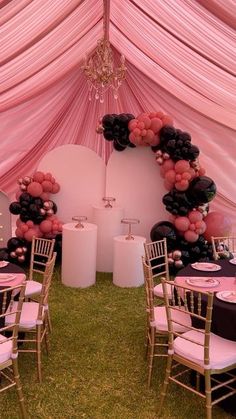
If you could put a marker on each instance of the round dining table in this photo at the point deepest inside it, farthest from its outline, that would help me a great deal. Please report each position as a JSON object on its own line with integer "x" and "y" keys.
{"x": 11, "y": 275}
{"x": 224, "y": 312}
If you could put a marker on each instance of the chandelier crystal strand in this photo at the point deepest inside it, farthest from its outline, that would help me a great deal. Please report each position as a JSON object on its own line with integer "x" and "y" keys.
{"x": 100, "y": 69}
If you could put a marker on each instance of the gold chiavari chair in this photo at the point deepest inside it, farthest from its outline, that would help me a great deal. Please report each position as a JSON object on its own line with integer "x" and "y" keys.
{"x": 157, "y": 328}
{"x": 222, "y": 247}
{"x": 9, "y": 374}
{"x": 197, "y": 349}
{"x": 34, "y": 318}
{"x": 156, "y": 257}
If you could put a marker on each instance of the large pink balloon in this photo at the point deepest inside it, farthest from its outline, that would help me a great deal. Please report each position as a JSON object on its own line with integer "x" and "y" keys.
{"x": 217, "y": 225}
{"x": 30, "y": 234}
{"x": 34, "y": 189}
{"x": 46, "y": 226}
{"x": 38, "y": 177}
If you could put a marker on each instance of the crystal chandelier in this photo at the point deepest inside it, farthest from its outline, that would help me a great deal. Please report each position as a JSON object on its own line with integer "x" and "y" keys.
{"x": 100, "y": 69}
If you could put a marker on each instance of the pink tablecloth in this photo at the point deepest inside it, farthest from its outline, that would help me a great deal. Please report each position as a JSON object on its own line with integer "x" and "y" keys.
{"x": 17, "y": 280}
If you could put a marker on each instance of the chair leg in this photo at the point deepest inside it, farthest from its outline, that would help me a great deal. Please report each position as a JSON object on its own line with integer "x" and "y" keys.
{"x": 166, "y": 382}
{"x": 151, "y": 354}
{"x": 24, "y": 414}
{"x": 46, "y": 338}
{"x": 208, "y": 394}
{"x": 38, "y": 352}
{"x": 49, "y": 321}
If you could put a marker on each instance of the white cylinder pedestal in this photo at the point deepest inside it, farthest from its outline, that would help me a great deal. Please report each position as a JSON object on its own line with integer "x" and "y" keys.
{"x": 108, "y": 221}
{"x": 79, "y": 249}
{"x": 127, "y": 266}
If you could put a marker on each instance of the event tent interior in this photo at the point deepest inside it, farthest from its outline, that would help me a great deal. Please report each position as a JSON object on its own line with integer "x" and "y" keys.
{"x": 180, "y": 61}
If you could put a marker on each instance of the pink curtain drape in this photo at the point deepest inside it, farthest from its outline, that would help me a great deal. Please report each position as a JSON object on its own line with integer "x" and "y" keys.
{"x": 180, "y": 57}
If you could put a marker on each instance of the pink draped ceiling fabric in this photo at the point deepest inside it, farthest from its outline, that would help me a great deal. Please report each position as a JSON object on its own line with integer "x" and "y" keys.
{"x": 180, "y": 57}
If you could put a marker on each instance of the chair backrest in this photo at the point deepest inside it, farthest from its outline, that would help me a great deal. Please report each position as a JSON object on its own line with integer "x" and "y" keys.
{"x": 47, "y": 279}
{"x": 198, "y": 305}
{"x": 41, "y": 253}
{"x": 6, "y": 299}
{"x": 148, "y": 282}
{"x": 156, "y": 257}
{"x": 222, "y": 246}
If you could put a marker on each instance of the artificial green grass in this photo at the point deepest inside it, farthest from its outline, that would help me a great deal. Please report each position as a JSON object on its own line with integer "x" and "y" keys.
{"x": 96, "y": 368}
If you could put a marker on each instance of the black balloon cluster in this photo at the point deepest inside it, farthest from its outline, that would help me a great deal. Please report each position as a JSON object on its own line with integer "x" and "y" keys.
{"x": 30, "y": 208}
{"x": 201, "y": 190}
{"x": 115, "y": 128}
{"x": 17, "y": 250}
{"x": 177, "y": 144}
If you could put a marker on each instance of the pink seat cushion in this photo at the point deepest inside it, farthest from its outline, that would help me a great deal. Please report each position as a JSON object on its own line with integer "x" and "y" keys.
{"x": 32, "y": 288}
{"x": 160, "y": 321}
{"x": 29, "y": 315}
{"x": 5, "y": 349}
{"x": 222, "y": 351}
{"x": 158, "y": 291}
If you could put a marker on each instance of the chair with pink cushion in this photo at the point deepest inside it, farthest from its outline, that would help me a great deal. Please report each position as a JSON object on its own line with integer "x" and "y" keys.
{"x": 197, "y": 349}
{"x": 8, "y": 342}
{"x": 34, "y": 318}
{"x": 156, "y": 257}
{"x": 157, "y": 328}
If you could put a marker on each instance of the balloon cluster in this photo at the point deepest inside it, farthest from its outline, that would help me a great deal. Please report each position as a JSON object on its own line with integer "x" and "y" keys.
{"x": 190, "y": 228}
{"x": 36, "y": 213}
{"x": 144, "y": 130}
{"x": 17, "y": 249}
{"x": 115, "y": 128}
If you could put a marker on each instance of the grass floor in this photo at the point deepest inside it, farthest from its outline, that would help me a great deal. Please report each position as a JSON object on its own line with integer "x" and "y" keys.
{"x": 97, "y": 367}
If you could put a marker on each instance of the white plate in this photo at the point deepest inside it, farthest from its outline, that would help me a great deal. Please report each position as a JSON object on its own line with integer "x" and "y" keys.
{"x": 6, "y": 277}
{"x": 3, "y": 263}
{"x": 228, "y": 296}
{"x": 198, "y": 281}
{"x": 206, "y": 267}
{"x": 233, "y": 261}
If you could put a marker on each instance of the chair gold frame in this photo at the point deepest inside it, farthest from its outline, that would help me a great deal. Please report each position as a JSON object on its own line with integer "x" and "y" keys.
{"x": 39, "y": 329}
{"x": 9, "y": 367}
{"x": 192, "y": 303}
{"x": 229, "y": 241}
{"x": 156, "y": 257}
{"x": 41, "y": 253}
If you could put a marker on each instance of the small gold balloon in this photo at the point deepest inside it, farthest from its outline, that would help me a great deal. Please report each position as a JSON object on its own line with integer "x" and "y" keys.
{"x": 13, "y": 255}
{"x": 99, "y": 129}
{"x": 19, "y": 251}
{"x": 21, "y": 258}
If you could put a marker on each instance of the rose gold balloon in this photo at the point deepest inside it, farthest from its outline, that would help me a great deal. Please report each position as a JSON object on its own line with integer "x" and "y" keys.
{"x": 50, "y": 203}
{"x": 27, "y": 180}
{"x": 170, "y": 261}
{"x": 99, "y": 129}
{"x": 166, "y": 156}
{"x": 46, "y": 205}
{"x": 159, "y": 160}
{"x": 179, "y": 264}
{"x": 177, "y": 254}
{"x": 23, "y": 187}
{"x": 158, "y": 153}
{"x": 21, "y": 258}
{"x": 13, "y": 254}
{"x": 20, "y": 181}
{"x": 50, "y": 212}
{"x": 19, "y": 251}
{"x": 24, "y": 249}
{"x": 42, "y": 211}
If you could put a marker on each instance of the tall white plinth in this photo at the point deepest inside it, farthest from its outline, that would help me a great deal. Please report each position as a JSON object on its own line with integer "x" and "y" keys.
{"x": 127, "y": 266}
{"x": 108, "y": 221}
{"x": 79, "y": 249}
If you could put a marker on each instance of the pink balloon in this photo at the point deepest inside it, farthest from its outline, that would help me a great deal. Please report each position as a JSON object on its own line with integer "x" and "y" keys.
{"x": 149, "y": 136}
{"x": 182, "y": 185}
{"x": 45, "y": 196}
{"x": 170, "y": 176}
{"x": 190, "y": 236}
{"x": 30, "y": 224}
{"x": 142, "y": 116}
{"x": 38, "y": 177}
{"x": 19, "y": 233}
{"x": 34, "y": 189}
{"x": 195, "y": 216}
{"x": 182, "y": 166}
{"x": 167, "y": 120}
{"x": 132, "y": 124}
{"x": 46, "y": 226}
{"x": 147, "y": 122}
{"x": 18, "y": 222}
{"x": 24, "y": 228}
{"x": 48, "y": 176}
{"x": 136, "y": 132}
{"x": 160, "y": 114}
{"x": 217, "y": 225}
{"x": 200, "y": 227}
{"x": 192, "y": 227}
{"x": 47, "y": 186}
{"x": 167, "y": 165}
{"x": 156, "y": 125}
{"x": 30, "y": 234}
{"x": 178, "y": 177}
{"x": 182, "y": 223}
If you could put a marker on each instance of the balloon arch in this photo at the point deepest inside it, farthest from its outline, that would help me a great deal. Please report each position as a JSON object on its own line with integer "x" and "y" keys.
{"x": 190, "y": 226}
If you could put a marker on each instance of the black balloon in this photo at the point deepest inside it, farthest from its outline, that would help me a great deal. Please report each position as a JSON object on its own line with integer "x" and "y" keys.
{"x": 26, "y": 198}
{"x": 202, "y": 189}
{"x": 177, "y": 203}
{"x": 115, "y": 127}
{"x": 164, "y": 229}
{"x": 4, "y": 255}
{"x": 15, "y": 242}
{"x": 15, "y": 208}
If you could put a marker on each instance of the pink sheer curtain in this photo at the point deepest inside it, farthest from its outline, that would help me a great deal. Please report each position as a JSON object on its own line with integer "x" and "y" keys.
{"x": 180, "y": 58}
